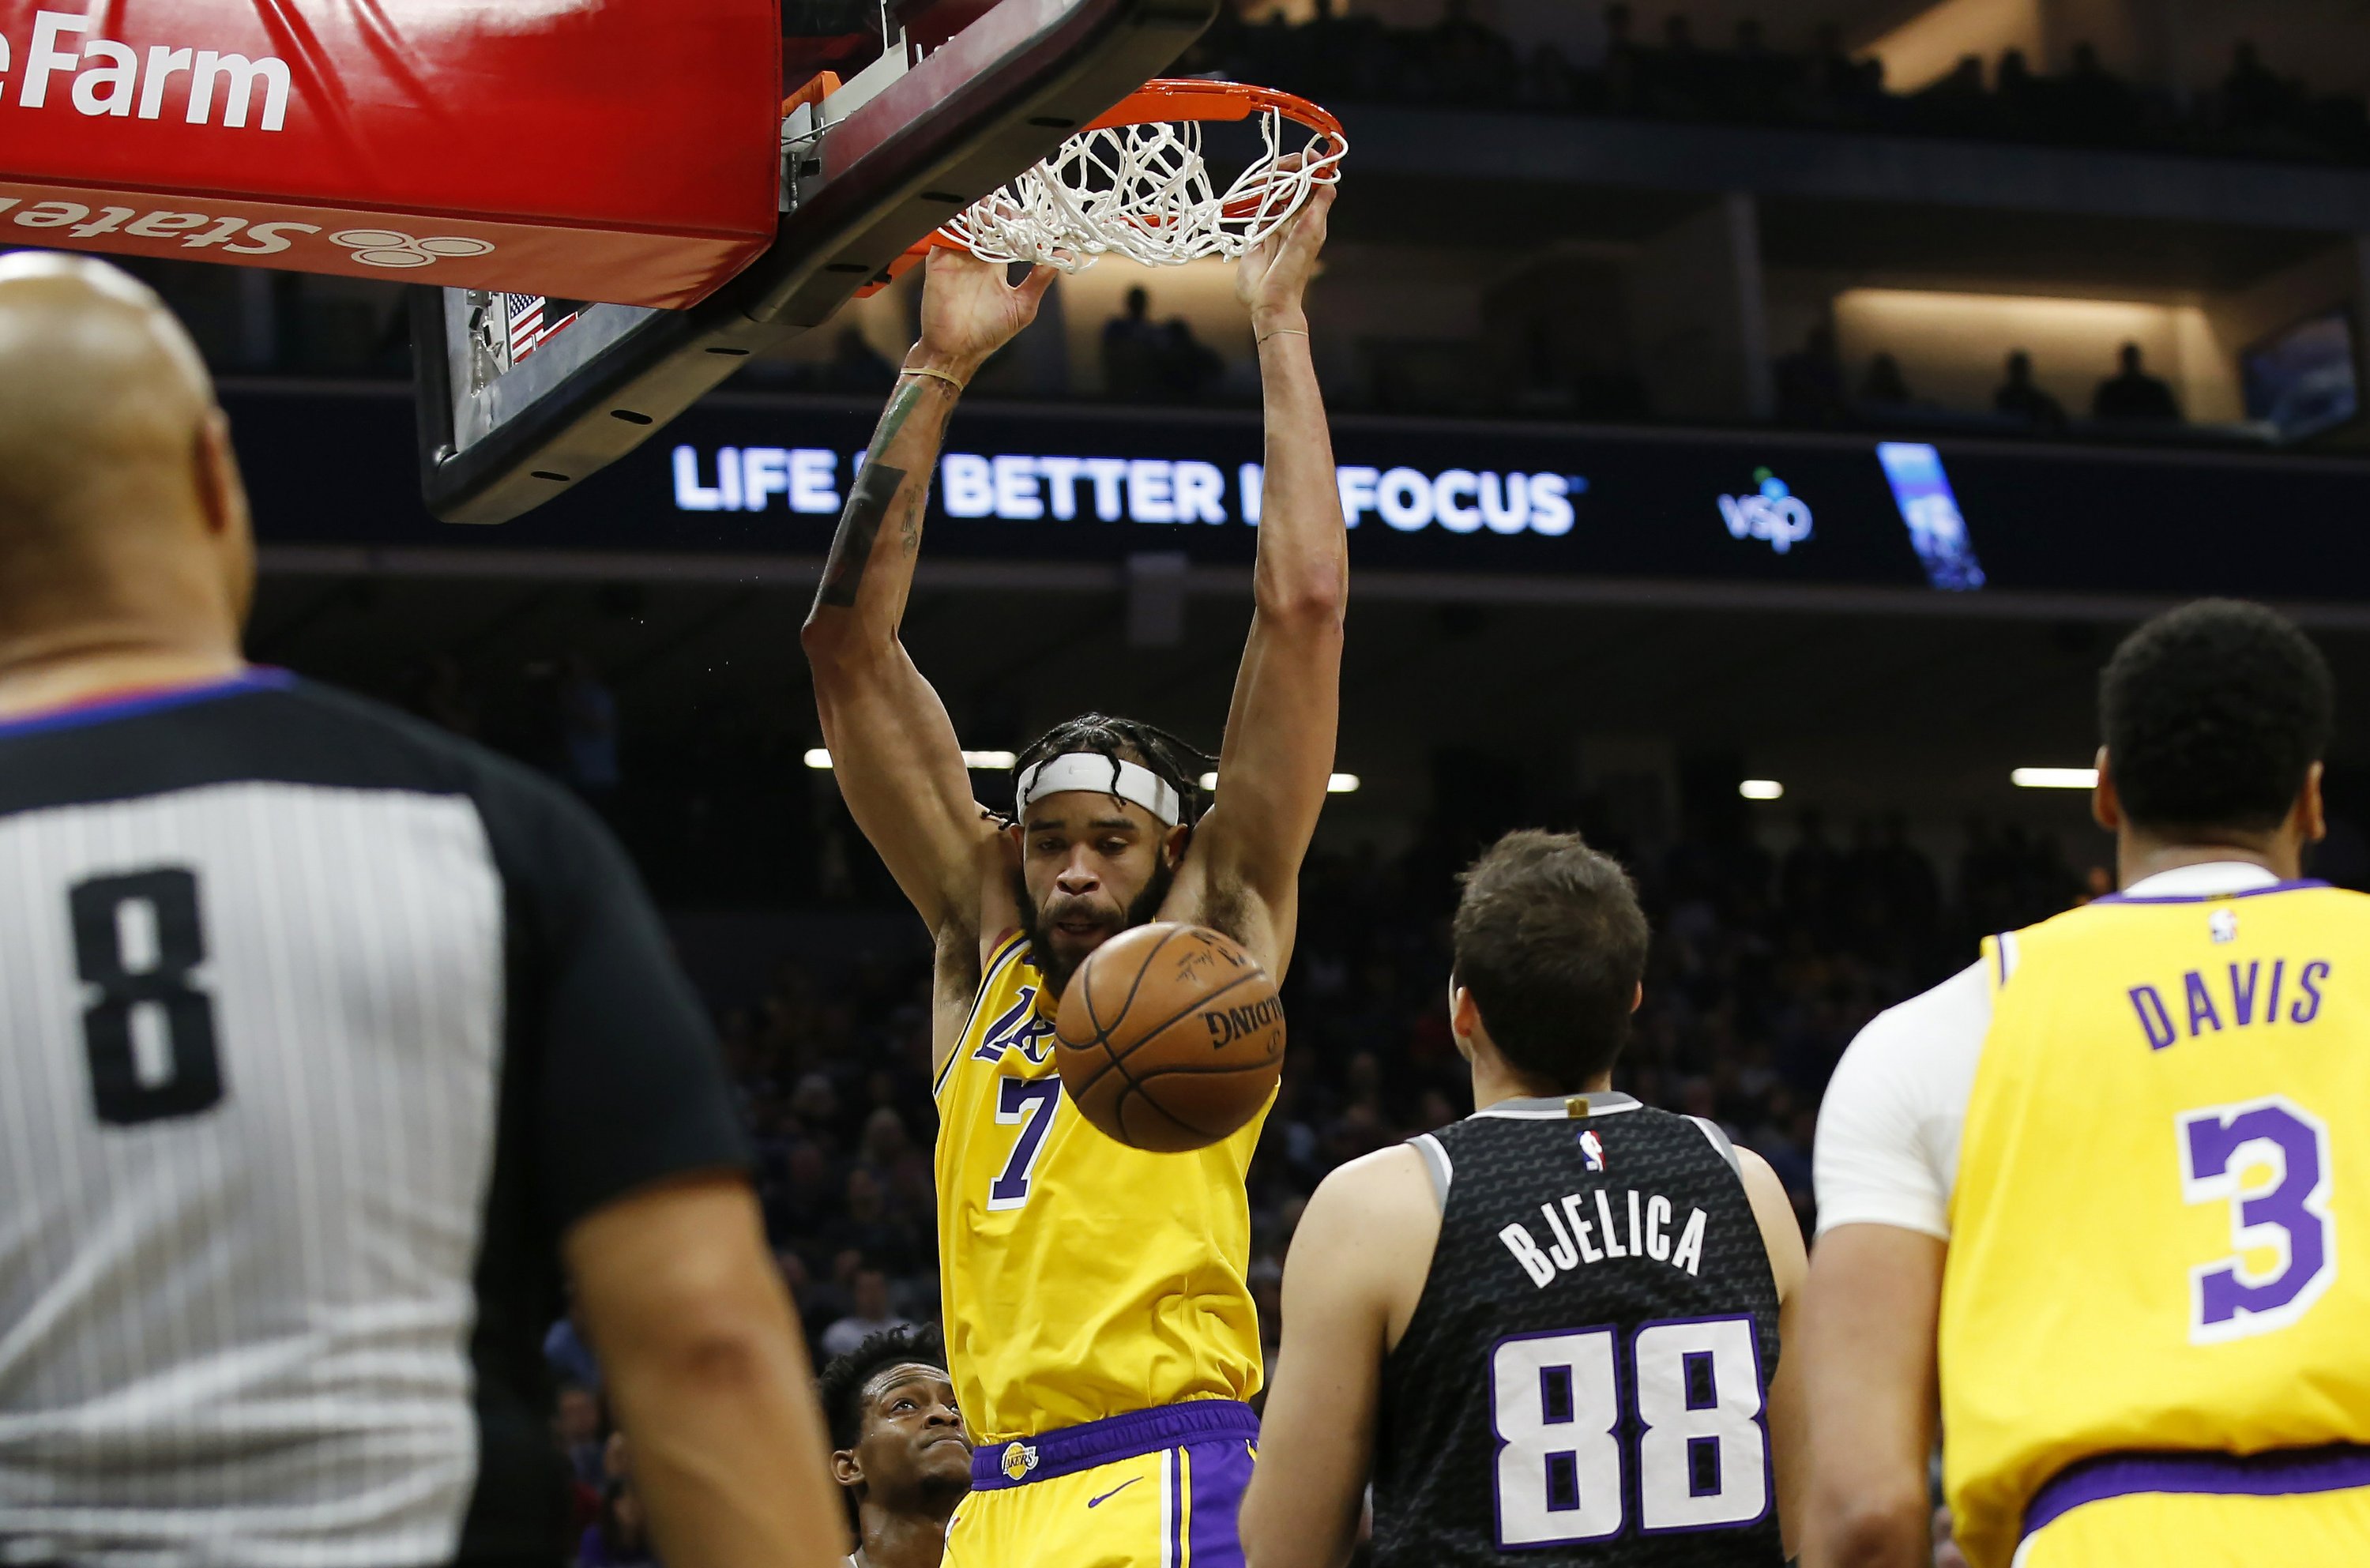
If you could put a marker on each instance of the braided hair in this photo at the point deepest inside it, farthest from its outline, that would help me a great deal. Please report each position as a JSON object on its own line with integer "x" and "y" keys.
{"x": 1176, "y": 763}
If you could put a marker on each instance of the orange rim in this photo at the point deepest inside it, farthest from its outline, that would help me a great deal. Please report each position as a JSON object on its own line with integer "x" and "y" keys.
{"x": 1190, "y": 99}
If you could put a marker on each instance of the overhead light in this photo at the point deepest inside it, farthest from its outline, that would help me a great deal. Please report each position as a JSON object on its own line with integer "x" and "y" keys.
{"x": 2054, "y": 777}
{"x": 990, "y": 761}
{"x": 1334, "y": 783}
{"x": 1761, "y": 789}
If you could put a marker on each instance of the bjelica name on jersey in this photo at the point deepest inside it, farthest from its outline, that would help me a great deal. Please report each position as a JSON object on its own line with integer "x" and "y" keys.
{"x": 1580, "y": 1239}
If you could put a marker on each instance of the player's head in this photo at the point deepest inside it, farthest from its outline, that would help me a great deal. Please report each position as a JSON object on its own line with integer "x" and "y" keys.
{"x": 897, "y": 1438}
{"x": 2214, "y": 717}
{"x": 1550, "y": 958}
{"x": 121, "y": 504}
{"x": 1102, "y": 811}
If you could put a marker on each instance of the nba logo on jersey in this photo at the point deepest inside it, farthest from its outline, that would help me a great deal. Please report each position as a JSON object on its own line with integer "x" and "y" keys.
{"x": 2223, "y": 925}
{"x": 1591, "y": 1149}
{"x": 1019, "y": 1458}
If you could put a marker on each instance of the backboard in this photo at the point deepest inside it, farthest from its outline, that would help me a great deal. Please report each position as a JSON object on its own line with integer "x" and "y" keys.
{"x": 522, "y": 395}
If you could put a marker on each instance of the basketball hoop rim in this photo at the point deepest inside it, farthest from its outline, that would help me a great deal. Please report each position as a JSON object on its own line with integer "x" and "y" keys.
{"x": 1191, "y": 98}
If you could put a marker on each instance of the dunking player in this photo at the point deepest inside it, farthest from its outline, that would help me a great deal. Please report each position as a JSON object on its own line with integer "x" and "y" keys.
{"x": 1101, "y": 1333}
{"x": 1552, "y": 1327}
{"x": 324, "y": 1038}
{"x": 2116, "y": 1168}
{"x": 898, "y": 1450}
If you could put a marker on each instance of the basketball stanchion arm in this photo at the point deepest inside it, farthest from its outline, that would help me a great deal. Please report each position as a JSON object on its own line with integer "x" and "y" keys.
{"x": 993, "y": 100}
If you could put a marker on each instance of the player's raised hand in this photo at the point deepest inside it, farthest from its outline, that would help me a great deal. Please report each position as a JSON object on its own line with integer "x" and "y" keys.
{"x": 969, "y": 311}
{"x": 1274, "y": 274}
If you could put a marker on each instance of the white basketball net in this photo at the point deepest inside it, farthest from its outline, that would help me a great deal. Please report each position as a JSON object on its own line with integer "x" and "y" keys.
{"x": 1143, "y": 191}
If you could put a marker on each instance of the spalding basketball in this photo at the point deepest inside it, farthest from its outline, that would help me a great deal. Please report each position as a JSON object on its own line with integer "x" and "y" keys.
{"x": 1169, "y": 1037}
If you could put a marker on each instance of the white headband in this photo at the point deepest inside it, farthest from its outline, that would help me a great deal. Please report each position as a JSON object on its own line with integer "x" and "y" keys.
{"x": 1092, "y": 770}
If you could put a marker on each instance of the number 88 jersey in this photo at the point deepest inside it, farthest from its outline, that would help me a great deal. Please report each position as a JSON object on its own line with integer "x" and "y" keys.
{"x": 1584, "y": 1376}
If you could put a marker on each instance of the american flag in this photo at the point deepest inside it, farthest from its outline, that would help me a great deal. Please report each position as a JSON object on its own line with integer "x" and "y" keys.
{"x": 535, "y": 320}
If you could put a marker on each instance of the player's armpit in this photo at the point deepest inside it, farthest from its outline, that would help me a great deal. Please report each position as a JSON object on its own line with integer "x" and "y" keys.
{"x": 1357, "y": 1265}
{"x": 1869, "y": 1315}
{"x": 709, "y": 1376}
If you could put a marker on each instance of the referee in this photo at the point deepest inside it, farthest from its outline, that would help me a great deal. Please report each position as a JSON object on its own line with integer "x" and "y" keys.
{"x": 327, "y": 1042}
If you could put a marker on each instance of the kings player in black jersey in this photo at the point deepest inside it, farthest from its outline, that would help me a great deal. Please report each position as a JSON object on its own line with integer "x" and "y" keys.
{"x": 1551, "y": 1329}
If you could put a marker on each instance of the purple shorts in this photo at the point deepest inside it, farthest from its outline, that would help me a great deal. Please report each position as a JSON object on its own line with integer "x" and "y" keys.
{"x": 1150, "y": 1489}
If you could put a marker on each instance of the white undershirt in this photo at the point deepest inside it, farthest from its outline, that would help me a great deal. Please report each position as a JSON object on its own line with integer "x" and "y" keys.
{"x": 1888, "y": 1145}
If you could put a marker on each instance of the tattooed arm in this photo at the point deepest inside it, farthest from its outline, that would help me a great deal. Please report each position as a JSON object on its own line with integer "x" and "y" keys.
{"x": 892, "y": 748}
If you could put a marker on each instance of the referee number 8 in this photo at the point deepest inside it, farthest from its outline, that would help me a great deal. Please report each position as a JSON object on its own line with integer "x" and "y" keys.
{"x": 149, "y": 1031}
{"x": 1701, "y": 1456}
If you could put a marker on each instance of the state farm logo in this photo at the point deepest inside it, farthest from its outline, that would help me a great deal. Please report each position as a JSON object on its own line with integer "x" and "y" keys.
{"x": 386, "y": 247}
{"x": 108, "y": 78}
{"x": 233, "y": 237}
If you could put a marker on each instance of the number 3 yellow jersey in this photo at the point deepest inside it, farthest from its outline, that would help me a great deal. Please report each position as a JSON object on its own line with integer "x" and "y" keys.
{"x": 1082, "y": 1278}
{"x": 2161, "y": 1229}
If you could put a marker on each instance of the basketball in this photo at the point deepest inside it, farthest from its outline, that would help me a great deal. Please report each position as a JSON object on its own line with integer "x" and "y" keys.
{"x": 1170, "y": 1037}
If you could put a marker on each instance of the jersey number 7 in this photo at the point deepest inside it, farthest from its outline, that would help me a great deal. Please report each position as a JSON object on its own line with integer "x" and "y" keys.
{"x": 1030, "y": 1104}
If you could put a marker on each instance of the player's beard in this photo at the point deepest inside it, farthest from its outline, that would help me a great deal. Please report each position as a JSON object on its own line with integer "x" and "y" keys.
{"x": 1054, "y": 966}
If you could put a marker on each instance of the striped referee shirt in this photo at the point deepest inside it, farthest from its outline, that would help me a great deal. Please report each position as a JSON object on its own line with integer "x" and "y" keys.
{"x": 317, "y": 1028}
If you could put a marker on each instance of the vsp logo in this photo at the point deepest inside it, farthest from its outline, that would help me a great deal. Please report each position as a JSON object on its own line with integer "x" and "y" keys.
{"x": 1773, "y": 512}
{"x": 391, "y": 248}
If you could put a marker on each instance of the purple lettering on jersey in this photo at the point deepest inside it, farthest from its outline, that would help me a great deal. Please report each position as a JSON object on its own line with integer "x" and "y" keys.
{"x": 2154, "y": 1023}
{"x": 2308, "y": 1007}
{"x": 2242, "y": 992}
{"x": 2201, "y": 1003}
{"x": 2217, "y": 1141}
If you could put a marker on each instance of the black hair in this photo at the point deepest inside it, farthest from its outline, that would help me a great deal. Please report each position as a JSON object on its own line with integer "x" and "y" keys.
{"x": 843, "y": 1381}
{"x": 2212, "y": 714}
{"x": 1551, "y": 942}
{"x": 1176, "y": 763}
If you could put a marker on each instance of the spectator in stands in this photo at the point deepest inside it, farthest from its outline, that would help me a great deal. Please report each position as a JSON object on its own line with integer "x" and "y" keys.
{"x": 899, "y": 1451}
{"x": 587, "y": 730}
{"x": 2253, "y": 97}
{"x": 569, "y": 1356}
{"x": 1131, "y": 353}
{"x": 1884, "y": 386}
{"x": 872, "y": 1315}
{"x": 620, "y": 1538}
{"x": 577, "y": 1426}
{"x": 1190, "y": 369}
{"x": 1811, "y": 382}
{"x": 2021, "y": 397}
{"x": 2135, "y": 395}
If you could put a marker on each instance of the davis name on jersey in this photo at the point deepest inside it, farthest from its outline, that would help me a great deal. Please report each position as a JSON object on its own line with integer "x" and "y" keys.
{"x": 2250, "y": 995}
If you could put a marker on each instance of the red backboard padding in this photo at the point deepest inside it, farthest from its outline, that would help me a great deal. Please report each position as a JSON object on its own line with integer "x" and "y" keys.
{"x": 617, "y": 150}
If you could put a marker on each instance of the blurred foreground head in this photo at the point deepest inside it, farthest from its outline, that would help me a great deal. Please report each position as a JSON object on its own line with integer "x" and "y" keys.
{"x": 123, "y": 525}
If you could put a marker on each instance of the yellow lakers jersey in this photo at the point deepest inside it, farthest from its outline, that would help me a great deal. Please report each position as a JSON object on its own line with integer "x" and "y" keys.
{"x": 1081, "y": 1278}
{"x": 2161, "y": 1229}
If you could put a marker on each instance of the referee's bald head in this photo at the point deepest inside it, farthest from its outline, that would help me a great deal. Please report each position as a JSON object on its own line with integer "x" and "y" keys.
{"x": 121, "y": 506}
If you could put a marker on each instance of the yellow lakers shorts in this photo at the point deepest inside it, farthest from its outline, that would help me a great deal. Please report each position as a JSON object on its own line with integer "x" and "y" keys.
{"x": 2299, "y": 1508}
{"x": 1150, "y": 1489}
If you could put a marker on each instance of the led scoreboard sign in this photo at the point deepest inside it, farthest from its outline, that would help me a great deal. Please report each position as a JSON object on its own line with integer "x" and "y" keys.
{"x": 753, "y": 475}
